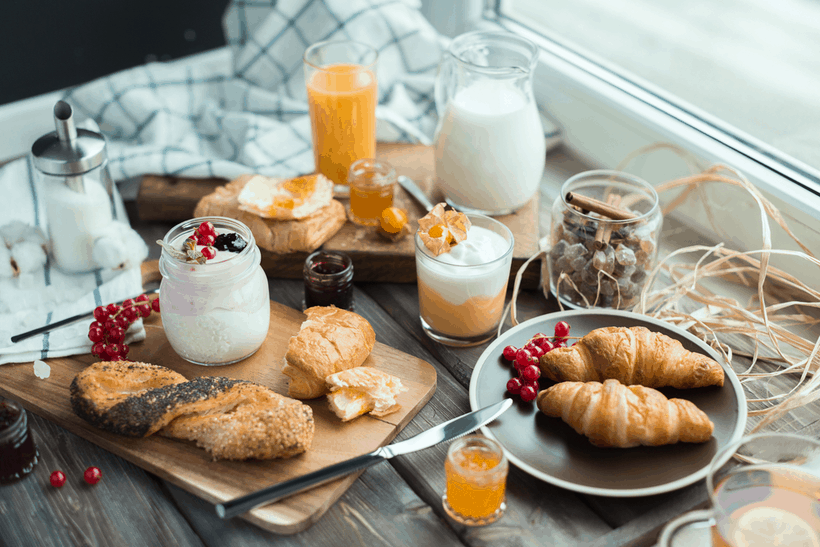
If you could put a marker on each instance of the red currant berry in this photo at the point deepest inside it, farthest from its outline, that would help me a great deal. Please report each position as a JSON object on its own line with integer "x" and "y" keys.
{"x": 112, "y": 351}
{"x": 514, "y": 386}
{"x": 100, "y": 314}
{"x": 95, "y": 325}
{"x": 95, "y": 334}
{"x": 208, "y": 240}
{"x": 109, "y": 325}
{"x": 208, "y": 252}
{"x": 546, "y": 345}
{"x": 155, "y": 305}
{"x": 528, "y": 393}
{"x": 57, "y": 479}
{"x": 537, "y": 351}
{"x": 522, "y": 357}
{"x": 531, "y": 373}
{"x": 509, "y": 353}
{"x": 123, "y": 322}
{"x": 127, "y": 303}
{"x": 206, "y": 228}
{"x": 124, "y": 349}
{"x": 561, "y": 329}
{"x": 539, "y": 335}
{"x": 142, "y": 298}
{"x": 116, "y": 335}
{"x": 92, "y": 475}
{"x": 112, "y": 309}
{"x": 98, "y": 350}
{"x": 131, "y": 314}
{"x": 573, "y": 344}
{"x": 144, "y": 309}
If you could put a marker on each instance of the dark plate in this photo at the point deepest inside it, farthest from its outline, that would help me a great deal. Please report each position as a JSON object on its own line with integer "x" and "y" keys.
{"x": 551, "y": 450}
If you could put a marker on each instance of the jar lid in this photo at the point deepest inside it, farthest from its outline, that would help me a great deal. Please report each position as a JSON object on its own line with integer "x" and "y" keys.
{"x": 68, "y": 150}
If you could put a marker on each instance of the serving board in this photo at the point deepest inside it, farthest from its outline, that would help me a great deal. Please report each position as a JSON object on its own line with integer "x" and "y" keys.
{"x": 374, "y": 259}
{"x": 189, "y": 467}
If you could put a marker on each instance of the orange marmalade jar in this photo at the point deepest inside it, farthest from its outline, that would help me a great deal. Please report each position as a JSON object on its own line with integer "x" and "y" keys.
{"x": 476, "y": 472}
{"x": 372, "y": 184}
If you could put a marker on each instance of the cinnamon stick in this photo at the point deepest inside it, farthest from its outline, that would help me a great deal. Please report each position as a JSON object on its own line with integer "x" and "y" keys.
{"x": 604, "y": 232}
{"x": 597, "y": 206}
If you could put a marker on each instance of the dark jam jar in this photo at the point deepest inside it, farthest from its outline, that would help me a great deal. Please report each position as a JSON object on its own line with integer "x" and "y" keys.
{"x": 18, "y": 455}
{"x": 328, "y": 280}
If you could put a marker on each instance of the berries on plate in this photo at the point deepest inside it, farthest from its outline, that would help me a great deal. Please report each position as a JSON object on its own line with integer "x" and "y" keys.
{"x": 92, "y": 475}
{"x": 57, "y": 479}
{"x": 509, "y": 353}
{"x": 526, "y": 360}
{"x": 528, "y": 393}
{"x": 514, "y": 386}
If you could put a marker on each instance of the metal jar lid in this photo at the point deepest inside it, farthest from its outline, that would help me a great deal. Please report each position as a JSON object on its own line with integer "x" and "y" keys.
{"x": 68, "y": 151}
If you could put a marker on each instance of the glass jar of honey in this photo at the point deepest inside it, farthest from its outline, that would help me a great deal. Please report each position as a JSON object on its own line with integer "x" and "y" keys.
{"x": 18, "y": 453}
{"x": 372, "y": 183}
{"x": 476, "y": 471}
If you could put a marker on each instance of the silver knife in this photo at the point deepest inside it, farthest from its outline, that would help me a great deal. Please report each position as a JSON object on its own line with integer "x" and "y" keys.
{"x": 63, "y": 322}
{"x": 447, "y": 431}
{"x": 413, "y": 189}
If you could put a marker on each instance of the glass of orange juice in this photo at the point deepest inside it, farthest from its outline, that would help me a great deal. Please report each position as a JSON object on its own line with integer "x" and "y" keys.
{"x": 772, "y": 497}
{"x": 476, "y": 471}
{"x": 342, "y": 97}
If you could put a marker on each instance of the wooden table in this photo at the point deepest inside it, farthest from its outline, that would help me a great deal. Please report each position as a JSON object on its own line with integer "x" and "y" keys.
{"x": 396, "y": 503}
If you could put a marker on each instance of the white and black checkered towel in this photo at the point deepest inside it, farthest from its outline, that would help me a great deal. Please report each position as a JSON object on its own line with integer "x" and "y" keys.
{"x": 251, "y": 114}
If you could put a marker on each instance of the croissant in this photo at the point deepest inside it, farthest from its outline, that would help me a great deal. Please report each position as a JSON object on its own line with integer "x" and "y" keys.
{"x": 633, "y": 356}
{"x": 614, "y": 415}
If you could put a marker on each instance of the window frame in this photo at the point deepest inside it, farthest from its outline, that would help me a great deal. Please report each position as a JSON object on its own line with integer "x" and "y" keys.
{"x": 646, "y": 114}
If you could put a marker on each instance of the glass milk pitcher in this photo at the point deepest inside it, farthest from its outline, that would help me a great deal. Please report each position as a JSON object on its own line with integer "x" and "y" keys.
{"x": 490, "y": 145}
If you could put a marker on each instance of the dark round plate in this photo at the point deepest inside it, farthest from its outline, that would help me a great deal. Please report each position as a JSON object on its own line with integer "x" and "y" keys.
{"x": 551, "y": 450}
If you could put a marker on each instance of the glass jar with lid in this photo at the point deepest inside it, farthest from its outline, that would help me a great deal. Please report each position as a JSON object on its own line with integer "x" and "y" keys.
{"x": 597, "y": 260}
{"x": 218, "y": 312}
{"x": 18, "y": 453}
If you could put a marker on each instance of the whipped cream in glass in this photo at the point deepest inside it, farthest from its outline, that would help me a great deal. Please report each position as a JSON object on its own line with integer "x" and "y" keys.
{"x": 215, "y": 313}
{"x": 461, "y": 292}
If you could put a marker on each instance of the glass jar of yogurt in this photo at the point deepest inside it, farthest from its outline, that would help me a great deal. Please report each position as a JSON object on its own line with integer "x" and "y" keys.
{"x": 216, "y": 313}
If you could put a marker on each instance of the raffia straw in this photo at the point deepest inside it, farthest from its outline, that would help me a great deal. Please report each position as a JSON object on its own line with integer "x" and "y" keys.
{"x": 763, "y": 325}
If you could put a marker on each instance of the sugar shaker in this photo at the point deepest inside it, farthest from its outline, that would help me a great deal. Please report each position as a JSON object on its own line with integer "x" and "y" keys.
{"x": 72, "y": 164}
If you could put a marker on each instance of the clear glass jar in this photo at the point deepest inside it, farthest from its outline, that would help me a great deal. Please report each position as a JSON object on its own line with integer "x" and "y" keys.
{"x": 595, "y": 261}
{"x": 18, "y": 453}
{"x": 328, "y": 280}
{"x": 476, "y": 471}
{"x": 372, "y": 184}
{"x": 215, "y": 313}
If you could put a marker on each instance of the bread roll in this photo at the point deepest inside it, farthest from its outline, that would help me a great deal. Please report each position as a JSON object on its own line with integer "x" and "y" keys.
{"x": 331, "y": 340}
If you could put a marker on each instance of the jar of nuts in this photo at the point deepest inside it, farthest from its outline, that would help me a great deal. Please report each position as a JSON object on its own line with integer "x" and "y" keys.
{"x": 604, "y": 239}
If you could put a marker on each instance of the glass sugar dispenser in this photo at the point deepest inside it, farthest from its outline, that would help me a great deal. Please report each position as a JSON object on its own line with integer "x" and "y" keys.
{"x": 78, "y": 192}
{"x": 603, "y": 240}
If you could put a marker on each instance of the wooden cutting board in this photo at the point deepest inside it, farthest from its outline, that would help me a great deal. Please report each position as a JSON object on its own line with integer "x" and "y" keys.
{"x": 374, "y": 259}
{"x": 191, "y": 468}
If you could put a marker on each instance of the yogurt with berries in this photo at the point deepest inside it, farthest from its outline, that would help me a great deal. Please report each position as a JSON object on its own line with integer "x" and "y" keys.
{"x": 214, "y": 294}
{"x": 461, "y": 291}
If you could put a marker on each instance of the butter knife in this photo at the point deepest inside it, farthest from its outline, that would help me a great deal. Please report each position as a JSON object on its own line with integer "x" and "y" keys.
{"x": 413, "y": 189}
{"x": 447, "y": 431}
{"x": 62, "y": 323}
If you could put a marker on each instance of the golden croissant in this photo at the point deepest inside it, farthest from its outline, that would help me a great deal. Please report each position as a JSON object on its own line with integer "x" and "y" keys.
{"x": 614, "y": 415}
{"x": 633, "y": 356}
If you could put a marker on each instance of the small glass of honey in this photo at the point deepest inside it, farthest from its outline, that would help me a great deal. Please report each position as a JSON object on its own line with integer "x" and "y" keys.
{"x": 476, "y": 471}
{"x": 372, "y": 183}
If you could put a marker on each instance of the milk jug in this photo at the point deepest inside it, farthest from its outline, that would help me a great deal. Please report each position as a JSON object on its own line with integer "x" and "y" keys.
{"x": 490, "y": 145}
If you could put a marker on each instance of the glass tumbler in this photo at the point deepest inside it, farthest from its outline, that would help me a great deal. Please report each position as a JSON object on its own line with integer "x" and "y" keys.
{"x": 372, "y": 184}
{"x": 342, "y": 96}
{"x": 771, "y": 498}
{"x": 599, "y": 261}
{"x": 476, "y": 472}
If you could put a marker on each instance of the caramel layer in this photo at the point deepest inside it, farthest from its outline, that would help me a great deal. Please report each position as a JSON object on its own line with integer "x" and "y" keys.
{"x": 478, "y": 315}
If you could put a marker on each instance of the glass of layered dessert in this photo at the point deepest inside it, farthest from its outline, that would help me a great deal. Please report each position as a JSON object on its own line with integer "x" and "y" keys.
{"x": 462, "y": 265}
{"x": 214, "y": 293}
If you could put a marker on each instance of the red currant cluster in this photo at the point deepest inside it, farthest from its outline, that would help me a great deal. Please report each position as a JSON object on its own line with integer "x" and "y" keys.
{"x": 526, "y": 360}
{"x": 92, "y": 475}
{"x": 205, "y": 235}
{"x": 112, "y": 321}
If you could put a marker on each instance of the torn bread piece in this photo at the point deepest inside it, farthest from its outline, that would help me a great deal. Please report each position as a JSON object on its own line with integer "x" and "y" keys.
{"x": 363, "y": 389}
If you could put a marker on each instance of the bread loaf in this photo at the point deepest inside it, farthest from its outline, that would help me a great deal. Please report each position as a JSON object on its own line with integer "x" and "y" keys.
{"x": 329, "y": 341}
{"x": 276, "y": 236}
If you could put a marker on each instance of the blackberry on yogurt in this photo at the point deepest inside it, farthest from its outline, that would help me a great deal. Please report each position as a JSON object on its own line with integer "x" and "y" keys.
{"x": 231, "y": 242}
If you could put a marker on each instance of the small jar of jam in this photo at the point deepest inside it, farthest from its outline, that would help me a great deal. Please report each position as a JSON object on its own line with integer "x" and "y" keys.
{"x": 372, "y": 183}
{"x": 328, "y": 280}
{"x": 18, "y": 454}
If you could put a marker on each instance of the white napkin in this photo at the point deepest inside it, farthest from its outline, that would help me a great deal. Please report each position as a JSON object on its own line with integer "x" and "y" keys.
{"x": 47, "y": 295}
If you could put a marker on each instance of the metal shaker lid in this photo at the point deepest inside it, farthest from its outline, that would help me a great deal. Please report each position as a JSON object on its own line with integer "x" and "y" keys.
{"x": 68, "y": 151}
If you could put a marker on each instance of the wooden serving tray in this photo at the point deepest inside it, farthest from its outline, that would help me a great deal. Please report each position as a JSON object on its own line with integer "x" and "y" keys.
{"x": 374, "y": 259}
{"x": 189, "y": 467}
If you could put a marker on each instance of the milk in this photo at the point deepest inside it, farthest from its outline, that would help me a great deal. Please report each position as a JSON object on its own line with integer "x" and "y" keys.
{"x": 490, "y": 147}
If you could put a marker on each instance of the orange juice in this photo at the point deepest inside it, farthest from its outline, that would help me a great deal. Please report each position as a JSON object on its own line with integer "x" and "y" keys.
{"x": 476, "y": 472}
{"x": 342, "y": 100}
